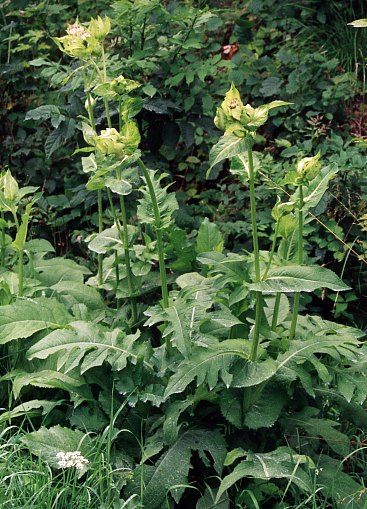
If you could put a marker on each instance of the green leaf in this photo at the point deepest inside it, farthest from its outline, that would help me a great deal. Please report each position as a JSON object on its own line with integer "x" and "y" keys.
{"x": 305, "y": 421}
{"x": 359, "y": 23}
{"x": 209, "y": 238}
{"x": 53, "y": 270}
{"x": 32, "y": 408}
{"x": 227, "y": 147}
{"x": 315, "y": 190}
{"x": 231, "y": 406}
{"x": 344, "y": 490}
{"x": 46, "y": 112}
{"x": 265, "y": 411}
{"x": 74, "y": 292}
{"x": 295, "y": 278}
{"x": 167, "y": 203}
{"x": 118, "y": 186}
{"x": 283, "y": 463}
{"x": 52, "y": 380}
{"x": 25, "y": 317}
{"x": 87, "y": 346}
{"x": 46, "y": 443}
{"x": 207, "y": 364}
{"x": 249, "y": 374}
{"x": 172, "y": 468}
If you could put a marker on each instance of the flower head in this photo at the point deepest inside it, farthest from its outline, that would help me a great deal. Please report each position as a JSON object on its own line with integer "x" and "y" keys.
{"x": 233, "y": 117}
{"x": 71, "y": 459}
{"x": 83, "y": 42}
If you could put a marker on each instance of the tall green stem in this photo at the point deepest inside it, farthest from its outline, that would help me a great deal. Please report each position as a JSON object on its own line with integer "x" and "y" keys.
{"x": 278, "y": 295}
{"x": 100, "y": 230}
{"x": 99, "y": 192}
{"x": 157, "y": 220}
{"x": 300, "y": 261}
{"x": 20, "y": 272}
{"x": 129, "y": 274}
{"x": 255, "y": 241}
{"x": 3, "y": 241}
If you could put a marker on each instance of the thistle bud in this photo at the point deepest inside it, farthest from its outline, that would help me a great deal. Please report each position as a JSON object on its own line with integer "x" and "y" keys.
{"x": 309, "y": 167}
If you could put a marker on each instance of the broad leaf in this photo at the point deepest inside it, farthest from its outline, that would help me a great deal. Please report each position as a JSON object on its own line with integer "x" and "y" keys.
{"x": 52, "y": 380}
{"x": 25, "y": 317}
{"x": 32, "y": 408}
{"x": 74, "y": 292}
{"x": 46, "y": 443}
{"x": 173, "y": 467}
{"x": 283, "y": 463}
{"x": 208, "y": 365}
{"x": 295, "y": 278}
{"x": 87, "y": 346}
{"x": 209, "y": 238}
{"x": 167, "y": 203}
{"x": 227, "y": 147}
{"x": 51, "y": 271}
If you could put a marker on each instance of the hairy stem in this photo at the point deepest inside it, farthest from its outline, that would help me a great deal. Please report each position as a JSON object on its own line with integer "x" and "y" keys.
{"x": 300, "y": 261}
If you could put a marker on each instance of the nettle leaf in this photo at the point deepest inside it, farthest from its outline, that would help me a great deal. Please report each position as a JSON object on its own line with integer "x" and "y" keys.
{"x": 25, "y": 317}
{"x": 87, "y": 346}
{"x": 52, "y": 380}
{"x": 46, "y": 443}
{"x": 46, "y": 112}
{"x": 283, "y": 463}
{"x": 209, "y": 238}
{"x": 167, "y": 203}
{"x": 173, "y": 466}
{"x": 59, "y": 136}
{"x": 227, "y": 147}
{"x": 208, "y": 365}
{"x": 295, "y": 278}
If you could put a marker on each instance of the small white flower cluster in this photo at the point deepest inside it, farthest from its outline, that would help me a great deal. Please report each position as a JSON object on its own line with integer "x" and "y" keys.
{"x": 71, "y": 459}
{"x": 76, "y": 30}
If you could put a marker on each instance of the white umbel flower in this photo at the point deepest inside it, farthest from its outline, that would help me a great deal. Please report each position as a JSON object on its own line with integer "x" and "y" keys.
{"x": 71, "y": 459}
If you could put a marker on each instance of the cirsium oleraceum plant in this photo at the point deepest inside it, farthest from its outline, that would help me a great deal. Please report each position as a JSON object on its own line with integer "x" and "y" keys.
{"x": 239, "y": 123}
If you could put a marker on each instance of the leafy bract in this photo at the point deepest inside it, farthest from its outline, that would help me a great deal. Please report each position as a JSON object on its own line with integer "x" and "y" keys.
{"x": 209, "y": 238}
{"x": 227, "y": 147}
{"x": 294, "y": 278}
